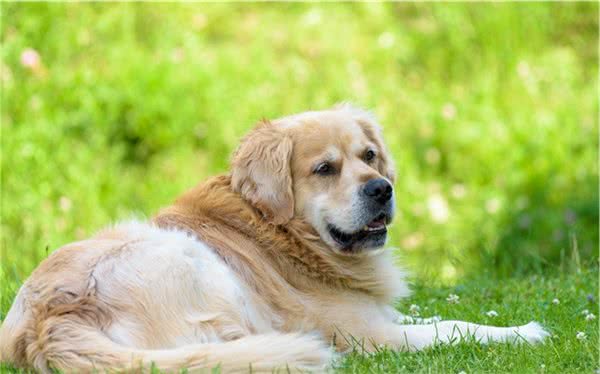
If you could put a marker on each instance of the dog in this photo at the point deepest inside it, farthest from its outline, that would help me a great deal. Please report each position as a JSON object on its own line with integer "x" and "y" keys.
{"x": 268, "y": 266}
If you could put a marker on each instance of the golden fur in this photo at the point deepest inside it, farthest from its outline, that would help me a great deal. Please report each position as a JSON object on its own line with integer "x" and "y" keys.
{"x": 238, "y": 271}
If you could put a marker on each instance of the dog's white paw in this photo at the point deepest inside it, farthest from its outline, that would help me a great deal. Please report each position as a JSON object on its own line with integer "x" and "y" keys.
{"x": 532, "y": 333}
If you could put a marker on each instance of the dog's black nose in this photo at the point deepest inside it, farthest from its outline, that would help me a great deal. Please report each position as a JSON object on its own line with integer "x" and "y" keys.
{"x": 379, "y": 190}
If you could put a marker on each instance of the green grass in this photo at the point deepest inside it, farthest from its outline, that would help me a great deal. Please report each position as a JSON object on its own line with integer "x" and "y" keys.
{"x": 517, "y": 301}
{"x": 490, "y": 111}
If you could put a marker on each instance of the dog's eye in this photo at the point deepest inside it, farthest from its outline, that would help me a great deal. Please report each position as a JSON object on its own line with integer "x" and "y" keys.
{"x": 324, "y": 169}
{"x": 369, "y": 155}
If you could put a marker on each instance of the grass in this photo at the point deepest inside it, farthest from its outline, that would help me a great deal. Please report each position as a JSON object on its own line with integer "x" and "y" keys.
{"x": 490, "y": 111}
{"x": 517, "y": 301}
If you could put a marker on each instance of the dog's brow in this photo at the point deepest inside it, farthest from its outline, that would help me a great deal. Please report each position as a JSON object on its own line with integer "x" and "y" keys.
{"x": 331, "y": 154}
{"x": 325, "y": 158}
{"x": 330, "y": 157}
{"x": 361, "y": 148}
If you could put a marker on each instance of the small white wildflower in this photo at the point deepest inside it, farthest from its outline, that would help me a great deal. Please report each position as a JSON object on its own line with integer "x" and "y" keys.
{"x": 30, "y": 58}
{"x": 407, "y": 320}
{"x": 590, "y": 317}
{"x": 581, "y": 335}
{"x": 430, "y": 320}
{"x": 65, "y": 203}
{"x": 523, "y": 69}
{"x": 542, "y": 366}
{"x": 462, "y": 372}
{"x": 493, "y": 205}
{"x": 412, "y": 241}
{"x": 313, "y": 17}
{"x": 585, "y": 312}
{"x": 458, "y": 191}
{"x": 432, "y": 156}
{"x": 555, "y": 301}
{"x": 448, "y": 111}
{"x": 414, "y": 310}
{"x": 177, "y": 55}
{"x": 453, "y": 299}
{"x": 492, "y": 313}
{"x": 386, "y": 40}
{"x": 199, "y": 21}
{"x": 438, "y": 208}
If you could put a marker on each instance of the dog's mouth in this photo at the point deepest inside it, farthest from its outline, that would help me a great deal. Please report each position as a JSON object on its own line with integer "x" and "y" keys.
{"x": 375, "y": 230}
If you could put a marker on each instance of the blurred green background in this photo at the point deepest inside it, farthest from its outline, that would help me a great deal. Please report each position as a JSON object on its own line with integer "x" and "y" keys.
{"x": 109, "y": 111}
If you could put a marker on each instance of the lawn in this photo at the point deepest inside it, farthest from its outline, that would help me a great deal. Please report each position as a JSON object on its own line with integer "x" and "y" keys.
{"x": 516, "y": 301}
{"x": 109, "y": 111}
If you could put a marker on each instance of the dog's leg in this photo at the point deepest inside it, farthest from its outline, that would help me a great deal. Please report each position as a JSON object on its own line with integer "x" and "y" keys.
{"x": 370, "y": 325}
{"x": 415, "y": 337}
{"x": 360, "y": 322}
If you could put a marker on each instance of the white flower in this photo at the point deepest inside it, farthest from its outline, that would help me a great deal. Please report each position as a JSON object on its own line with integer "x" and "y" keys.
{"x": 414, "y": 310}
{"x": 581, "y": 335}
{"x": 413, "y": 240}
{"x": 430, "y": 320}
{"x": 386, "y": 40}
{"x": 65, "y": 203}
{"x": 555, "y": 301}
{"x": 492, "y": 206}
{"x": 590, "y": 317}
{"x": 403, "y": 319}
{"x": 458, "y": 191}
{"x": 438, "y": 208}
{"x": 462, "y": 372}
{"x": 453, "y": 299}
{"x": 448, "y": 111}
{"x": 492, "y": 313}
{"x": 199, "y": 21}
{"x": 177, "y": 55}
{"x": 30, "y": 58}
{"x": 523, "y": 69}
{"x": 432, "y": 156}
{"x": 585, "y": 312}
{"x": 313, "y": 17}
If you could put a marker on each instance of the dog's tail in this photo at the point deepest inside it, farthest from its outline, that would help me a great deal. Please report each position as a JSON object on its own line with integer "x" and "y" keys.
{"x": 87, "y": 350}
{"x": 70, "y": 342}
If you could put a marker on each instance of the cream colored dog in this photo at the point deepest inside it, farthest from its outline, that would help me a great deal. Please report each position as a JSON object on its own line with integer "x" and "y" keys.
{"x": 265, "y": 267}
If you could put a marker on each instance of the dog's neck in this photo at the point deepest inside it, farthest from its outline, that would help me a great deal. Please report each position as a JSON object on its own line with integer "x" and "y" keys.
{"x": 225, "y": 221}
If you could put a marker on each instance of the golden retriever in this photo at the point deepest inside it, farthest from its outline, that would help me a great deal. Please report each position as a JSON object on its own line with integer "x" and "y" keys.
{"x": 268, "y": 266}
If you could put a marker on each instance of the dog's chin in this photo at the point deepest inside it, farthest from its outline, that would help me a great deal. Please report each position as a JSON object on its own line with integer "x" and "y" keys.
{"x": 371, "y": 236}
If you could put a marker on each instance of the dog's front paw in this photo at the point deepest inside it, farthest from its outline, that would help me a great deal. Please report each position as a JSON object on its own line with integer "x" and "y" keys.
{"x": 532, "y": 333}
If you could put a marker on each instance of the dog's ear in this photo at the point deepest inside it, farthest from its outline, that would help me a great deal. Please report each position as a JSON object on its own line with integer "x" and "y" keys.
{"x": 260, "y": 172}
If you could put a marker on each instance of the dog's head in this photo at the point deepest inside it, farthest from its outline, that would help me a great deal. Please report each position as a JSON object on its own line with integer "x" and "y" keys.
{"x": 330, "y": 168}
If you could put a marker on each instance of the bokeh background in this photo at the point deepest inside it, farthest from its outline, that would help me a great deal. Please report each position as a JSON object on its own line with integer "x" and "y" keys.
{"x": 109, "y": 111}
